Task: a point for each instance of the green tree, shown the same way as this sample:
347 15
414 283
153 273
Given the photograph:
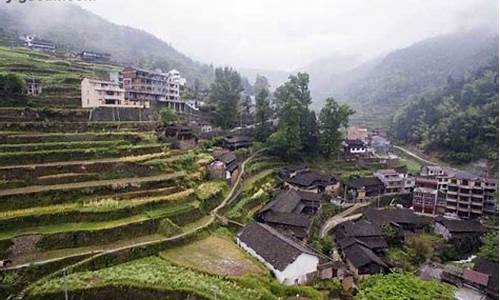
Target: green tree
11 85
489 249
296 123
167 116
261 83
225 94
332 118
262 115
422 247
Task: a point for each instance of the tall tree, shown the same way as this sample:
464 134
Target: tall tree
332 118
262 115
225 94
297 125
260 84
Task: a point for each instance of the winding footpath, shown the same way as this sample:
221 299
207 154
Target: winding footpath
341 218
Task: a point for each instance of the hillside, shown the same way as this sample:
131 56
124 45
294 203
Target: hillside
459 122
378 88
74 28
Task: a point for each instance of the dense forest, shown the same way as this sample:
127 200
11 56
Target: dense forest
459 121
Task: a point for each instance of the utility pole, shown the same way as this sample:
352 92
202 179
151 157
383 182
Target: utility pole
65 285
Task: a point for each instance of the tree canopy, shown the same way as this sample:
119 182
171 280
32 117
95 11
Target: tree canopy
263 114
332 118
11 85
225 94
489 249
459 121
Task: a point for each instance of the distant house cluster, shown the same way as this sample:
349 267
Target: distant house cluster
383 182
360 143
281 229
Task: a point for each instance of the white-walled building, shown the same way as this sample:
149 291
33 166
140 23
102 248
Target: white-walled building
100 93
291 262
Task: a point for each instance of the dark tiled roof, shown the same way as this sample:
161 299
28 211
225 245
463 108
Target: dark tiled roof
284 202
232 166
461 226
273 247
361 228
291 219
360 256
312 178
476 277
490 268
227 157
364 182
316 197
237 139
374 242
355 143
395 216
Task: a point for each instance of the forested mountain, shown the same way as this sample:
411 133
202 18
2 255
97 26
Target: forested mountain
379 87
423 67
75 28
459 121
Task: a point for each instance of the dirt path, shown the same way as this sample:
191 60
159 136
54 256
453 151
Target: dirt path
341 217
414 155
85 184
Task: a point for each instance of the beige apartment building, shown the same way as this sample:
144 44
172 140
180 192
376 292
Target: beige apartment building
100 93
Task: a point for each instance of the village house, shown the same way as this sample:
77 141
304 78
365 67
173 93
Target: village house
428 196
291 262
470 196
490 269
380 145
313 181
364 189
360 259
404 220
355 148
101 93
236 142
451 229
225 166
357 133
35 43
362 231
94 56
179 132
290 212
394 182
33 87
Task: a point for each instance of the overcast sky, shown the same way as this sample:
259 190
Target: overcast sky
288 34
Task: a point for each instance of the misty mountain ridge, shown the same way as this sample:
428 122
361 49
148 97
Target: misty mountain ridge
75 28
414 70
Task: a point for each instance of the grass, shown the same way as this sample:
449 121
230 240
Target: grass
153 273
60 145
215 254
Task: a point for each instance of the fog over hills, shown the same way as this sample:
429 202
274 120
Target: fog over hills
75 28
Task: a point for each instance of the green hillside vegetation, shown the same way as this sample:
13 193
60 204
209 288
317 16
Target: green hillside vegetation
460 121
60 76
73 28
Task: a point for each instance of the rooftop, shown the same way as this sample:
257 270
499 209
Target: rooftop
461 226
275 248
312 178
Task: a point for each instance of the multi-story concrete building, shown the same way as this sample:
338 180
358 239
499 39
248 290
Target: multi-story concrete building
427 198
394 182
470 196
454 192
143 85
100 93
